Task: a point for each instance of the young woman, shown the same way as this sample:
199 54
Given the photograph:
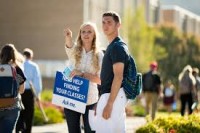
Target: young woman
187 84
9 112
87 60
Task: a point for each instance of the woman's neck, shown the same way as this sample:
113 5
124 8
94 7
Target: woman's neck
87 47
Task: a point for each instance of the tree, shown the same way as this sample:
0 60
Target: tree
181 50
141 39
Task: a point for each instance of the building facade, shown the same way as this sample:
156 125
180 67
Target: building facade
183 19
39 25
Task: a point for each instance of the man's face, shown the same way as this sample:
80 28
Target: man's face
109 25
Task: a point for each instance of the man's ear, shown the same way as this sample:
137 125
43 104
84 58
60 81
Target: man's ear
118 25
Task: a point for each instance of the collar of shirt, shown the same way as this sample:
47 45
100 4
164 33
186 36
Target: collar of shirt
84 51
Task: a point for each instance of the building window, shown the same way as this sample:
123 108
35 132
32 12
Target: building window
184 24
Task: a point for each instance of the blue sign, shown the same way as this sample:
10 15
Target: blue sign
70 94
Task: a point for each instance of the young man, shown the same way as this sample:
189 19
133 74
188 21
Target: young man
110 110
32 72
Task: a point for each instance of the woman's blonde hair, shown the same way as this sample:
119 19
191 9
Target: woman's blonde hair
79 49
187 72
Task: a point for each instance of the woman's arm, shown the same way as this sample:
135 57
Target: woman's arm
68 38
21 88
92 78
89 76
95 78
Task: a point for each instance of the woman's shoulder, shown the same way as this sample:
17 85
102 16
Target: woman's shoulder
18 69
100 52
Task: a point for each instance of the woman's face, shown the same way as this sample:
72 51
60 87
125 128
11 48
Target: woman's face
87 34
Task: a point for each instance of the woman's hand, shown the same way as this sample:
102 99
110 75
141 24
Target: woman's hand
68 37
67 33
76 73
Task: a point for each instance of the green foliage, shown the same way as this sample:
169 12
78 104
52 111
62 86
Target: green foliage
149 128
181 50
189 124
54 115
170 48
47 95
141 39
138 110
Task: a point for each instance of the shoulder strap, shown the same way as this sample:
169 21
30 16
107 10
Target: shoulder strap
14 72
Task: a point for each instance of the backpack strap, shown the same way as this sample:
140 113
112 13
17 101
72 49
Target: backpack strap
14 72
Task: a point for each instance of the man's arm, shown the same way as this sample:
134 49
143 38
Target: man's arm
118 69
37 81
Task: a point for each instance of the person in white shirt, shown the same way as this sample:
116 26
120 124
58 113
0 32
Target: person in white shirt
86 58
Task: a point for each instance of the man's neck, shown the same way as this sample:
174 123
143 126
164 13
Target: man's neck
111 37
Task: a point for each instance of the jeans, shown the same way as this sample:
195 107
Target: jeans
73 120
8 119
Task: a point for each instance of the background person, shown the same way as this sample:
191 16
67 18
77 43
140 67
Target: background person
32 72
9 113
195 73
151 89
187 84
86 59
168 95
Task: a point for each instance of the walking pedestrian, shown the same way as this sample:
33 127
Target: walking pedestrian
32 72
187 84
10 107
151 89
195 73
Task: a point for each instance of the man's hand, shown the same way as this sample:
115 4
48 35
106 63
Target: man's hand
107 111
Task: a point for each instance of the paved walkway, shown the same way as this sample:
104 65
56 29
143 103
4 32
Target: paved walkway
132 123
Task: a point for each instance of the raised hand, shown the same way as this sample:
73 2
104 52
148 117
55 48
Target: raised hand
68 37
68 33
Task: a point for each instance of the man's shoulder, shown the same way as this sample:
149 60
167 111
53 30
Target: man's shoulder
31 64
120 45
